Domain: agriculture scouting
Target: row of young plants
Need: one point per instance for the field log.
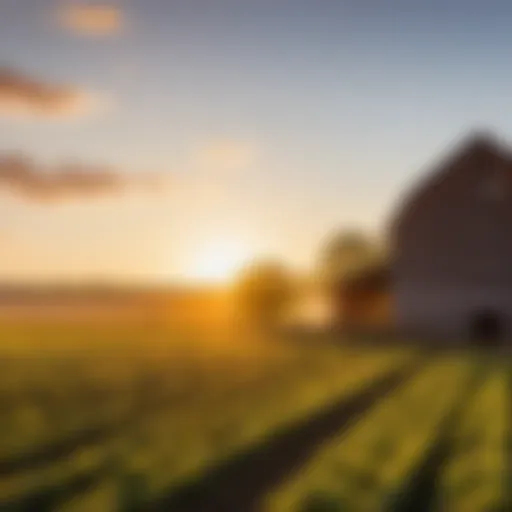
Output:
(474, 478)
(368, 466)
(223, 414)
(175, 451)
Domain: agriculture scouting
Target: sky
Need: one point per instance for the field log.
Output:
(173, 139)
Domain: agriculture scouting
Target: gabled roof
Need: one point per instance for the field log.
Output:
(478, 145)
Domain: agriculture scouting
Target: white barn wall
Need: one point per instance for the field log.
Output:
(446, 311)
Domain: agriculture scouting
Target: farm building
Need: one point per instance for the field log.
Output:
(364, 299)
(450, 269)
(452, 246)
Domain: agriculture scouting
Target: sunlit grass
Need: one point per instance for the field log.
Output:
(475, 477)
(367, 466)
(165, 403)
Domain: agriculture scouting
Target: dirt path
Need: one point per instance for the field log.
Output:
(241, 483)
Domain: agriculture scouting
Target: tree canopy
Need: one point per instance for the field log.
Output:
(348, 253)
(263, 291)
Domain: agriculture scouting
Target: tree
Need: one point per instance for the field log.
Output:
(263, 291)
(345, 254)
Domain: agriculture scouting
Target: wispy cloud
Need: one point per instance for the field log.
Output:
(93, 19)
(24, 96)
(22, 177)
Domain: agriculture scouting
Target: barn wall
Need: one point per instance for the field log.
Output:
(452, 248)
(447, 311)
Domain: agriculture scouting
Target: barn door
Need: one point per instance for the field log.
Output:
(486, 328)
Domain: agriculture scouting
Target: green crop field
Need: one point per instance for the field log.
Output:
(143, 417)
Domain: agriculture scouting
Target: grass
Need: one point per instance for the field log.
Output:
(130, 416)
(146, 409)
(367, 466)
(475, 476)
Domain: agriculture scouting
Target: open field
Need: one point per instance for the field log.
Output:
(143, 416)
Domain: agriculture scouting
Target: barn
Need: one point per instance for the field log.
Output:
(451, 239)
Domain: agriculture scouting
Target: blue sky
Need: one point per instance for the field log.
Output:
(329, 107)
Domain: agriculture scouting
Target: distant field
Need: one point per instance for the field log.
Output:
(131, 416)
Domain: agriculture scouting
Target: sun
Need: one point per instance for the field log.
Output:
(219, 261)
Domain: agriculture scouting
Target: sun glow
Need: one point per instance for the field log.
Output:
(219, 261)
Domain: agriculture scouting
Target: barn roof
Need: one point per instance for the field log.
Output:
(479, 145)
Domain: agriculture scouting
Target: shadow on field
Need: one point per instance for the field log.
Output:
(48, 497)
(148, 400)
(419, 492)
(240, 483)
(53, 496)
